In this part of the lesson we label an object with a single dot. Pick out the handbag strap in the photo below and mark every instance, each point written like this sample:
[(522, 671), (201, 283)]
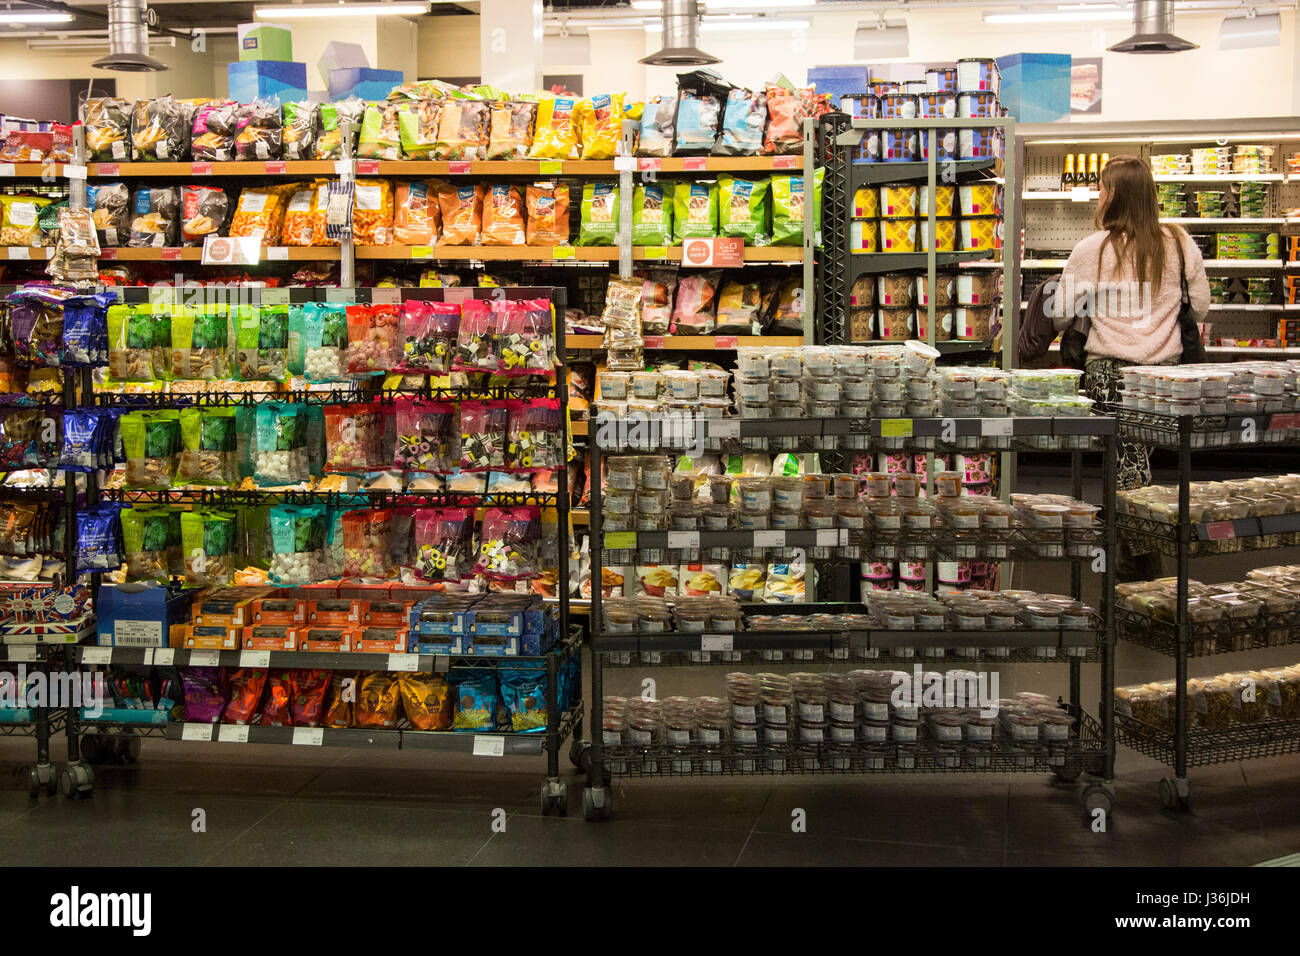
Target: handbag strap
[(1182, 271)]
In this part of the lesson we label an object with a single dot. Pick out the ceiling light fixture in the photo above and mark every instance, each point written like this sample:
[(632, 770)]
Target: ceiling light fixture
[(307, 10), (25, 16), (1060, 16)]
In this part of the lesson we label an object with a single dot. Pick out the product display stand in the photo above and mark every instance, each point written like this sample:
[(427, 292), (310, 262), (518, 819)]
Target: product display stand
[(1090, 747), (1180, 747)]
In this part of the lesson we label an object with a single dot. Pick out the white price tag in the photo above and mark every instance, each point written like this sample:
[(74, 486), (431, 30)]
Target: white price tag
[(7, 169), (96, 655), (844, 537), (163, 656), (404, 662), (74, 172), (343, 169), (255, 659), (828, 537), (23, 653), (724, 428), (997, 427), (274, 253), (205, 658), (309, 736), (715, 642), (274, 296), (624, 164), (769, 539), (1080, 194), (233, 733), (489, 745), (388, 295), (683, 539), (192, 731), (19, 252)]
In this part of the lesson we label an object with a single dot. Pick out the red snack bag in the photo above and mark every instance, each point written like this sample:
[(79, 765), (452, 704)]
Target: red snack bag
[(508, 544), (476, 340), (310, 689), (354, 437), (276, 709), (245, 694), (503, 216), (484, 428), (786, 111), (365, 544), (443, 544), (373, 345), (525, 340), (423, 435), (429, 335)]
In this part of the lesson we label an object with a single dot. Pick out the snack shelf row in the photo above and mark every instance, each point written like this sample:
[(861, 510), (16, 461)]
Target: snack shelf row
[(231, 497), (1203, 748), (316, 660), (320, 394), (755, 254)]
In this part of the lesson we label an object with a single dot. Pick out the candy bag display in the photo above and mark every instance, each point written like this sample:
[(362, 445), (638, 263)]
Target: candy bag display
[(99, 541), (323, 232), (262, 338), (443, 544), (536, 435), (308, 692), (426, 700), (28, 146), (210, 447), (652, 215), (523, 336), (423, 435), (155, 217), (429, 335), (697, 121), (153, 444), (548, 214), (85, 330), (365, 544), (657, 292), (416, 217), (697, 303), (324, 341), (160, 130), (787, 208), (476, 701), (208, 542), (205, 694), (200, 340), (600, 214), (84, 439), (743, 209), (299, 124), (282, 457), (510, 129), (738, 308), (508, 545), (108, 126), (216, 125), (372, 212), (276, 709), (503, 216), (695, 210), (462, 130), (20, 220), (373, 344), (381, 136), (461, 208), (258, 214), (743, 121), (204, 212), (246, 685), (297, 544), (476, 342), (354, 436), (110, 205), (25, 441), (151, 539), (483, 430), (376, 704), (342, 692), (333, 116), (524, 694), (658, 129), (600, 120), (556, 135), (36, 326)]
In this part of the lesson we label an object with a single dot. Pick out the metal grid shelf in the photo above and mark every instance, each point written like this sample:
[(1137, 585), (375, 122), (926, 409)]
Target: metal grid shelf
[(1215, 537), (27, 728), (876, 263), (862, 173), (1228, 636), (1211, 432), (353, 661), (1207, 747), (231, 497), (329, 395), (845, 656)]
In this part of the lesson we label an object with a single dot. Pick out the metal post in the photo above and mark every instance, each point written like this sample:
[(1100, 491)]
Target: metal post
[(552, 717), (1106, 713), (564, 529), (347, 249), (810, 235), (77, 186), (1184, 561), (625, 194), (596, 773)]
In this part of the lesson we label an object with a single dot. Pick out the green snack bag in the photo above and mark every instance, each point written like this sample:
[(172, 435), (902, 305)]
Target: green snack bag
[(652, 216), (743, 209), (152, 442), (200, 342), (210, 452), (282, 456), (262, 337), (695, 210), (208, 541), (324, 342), (131, 353), (787, 208), (151, 538), (600, 214), (298, 536), (380, 137)]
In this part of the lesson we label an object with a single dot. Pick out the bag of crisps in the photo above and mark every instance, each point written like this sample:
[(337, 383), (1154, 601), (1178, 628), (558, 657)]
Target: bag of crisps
[(417, 122), (556, 136), (372, 212), (297, 228), (381, 136), (416, 217), (510, 129), (320, 213), (426, 700), (462, 130), (548, 214), (260, 213), (503, 216), (376, 704), (600, 120), (462, 213), (600, 213)]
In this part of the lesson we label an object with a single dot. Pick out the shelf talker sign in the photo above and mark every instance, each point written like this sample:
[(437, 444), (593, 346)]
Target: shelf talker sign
[(232, 251), (724, 252)]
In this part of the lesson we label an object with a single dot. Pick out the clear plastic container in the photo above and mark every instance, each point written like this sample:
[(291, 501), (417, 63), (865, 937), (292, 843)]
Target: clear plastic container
[(787, 493), (786, 363), (715, 517), (622, 473), (713, 382), (720, 489), (754, 362), (907, 485), (755, 495), (614, 386), (816, 486), (845, 486), (683, 386), (750, 391), (645, 385), (786, 389)]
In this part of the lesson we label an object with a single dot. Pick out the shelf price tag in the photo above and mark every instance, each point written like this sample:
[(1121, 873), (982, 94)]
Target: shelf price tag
[(694, 164), (724, 427), (1080, 194), (254, 658), (716, 642), (367, 167), (106, 169), (828, 537), (655, 252), (723, 252), (386, 296), (343, 169), (22, 653), (404, 662), (339, 295), (274, 297), (997, 427), (458, 167), (194, 731), (74, 172), (108, 253), (232, 734), (201, 169), (726, 342), (96, 655), (683, 539), (769, 539), (1220, 530), (489, 745), (551, 167), (19, 252), (308, 736), (8, 169), (230, 251), (896, 428), (564, 252), (276, 168), (787, 162), (277, 253), (624, 164), (649, 165), (205, 659), (421, 252), (163, 656), (654, 341), (620, 539)]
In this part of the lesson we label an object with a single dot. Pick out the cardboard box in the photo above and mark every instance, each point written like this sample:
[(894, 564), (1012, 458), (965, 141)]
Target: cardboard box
[(367, 83), (838, 80), (388, 613), (270, 637), (276, 610), (327, 640), (231, 607), (1035, 86), (390, 640), (340, 55), (438, 644), (265, 41), (140, 615), (210, 637), (334, 612), (277, 80)]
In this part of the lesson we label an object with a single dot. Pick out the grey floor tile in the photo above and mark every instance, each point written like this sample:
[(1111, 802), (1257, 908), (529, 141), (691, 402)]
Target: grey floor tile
[(806, 849), (620, 841)]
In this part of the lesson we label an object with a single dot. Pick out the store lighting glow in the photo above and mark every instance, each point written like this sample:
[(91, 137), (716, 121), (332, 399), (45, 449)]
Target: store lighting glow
[(23, 16), (726, 24), (731, 4), (307, 10), (1060, 16)]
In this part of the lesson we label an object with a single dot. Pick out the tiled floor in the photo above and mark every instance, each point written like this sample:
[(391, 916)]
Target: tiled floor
[(297, 805)]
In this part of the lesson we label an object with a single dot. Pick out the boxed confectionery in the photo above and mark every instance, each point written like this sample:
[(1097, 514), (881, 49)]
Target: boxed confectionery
[(270, 637), (388, 613), (279, 610), (229, 607), (140, 615), (334, 612), (206, 637), (392, 640), (330, 640)]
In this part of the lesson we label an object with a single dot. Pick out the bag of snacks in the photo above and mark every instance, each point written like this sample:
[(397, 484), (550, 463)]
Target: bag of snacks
[(698, 116), (297, 544), (139, 343), (373, 345), (110, 205), (739, 304), (262, 338), (510, 129), (525, 341), (324, 341), (657, 299), (260, 135), (82, 447), (462, 214), (19, 225), (216, 124), (341, 695), (365, 544), (697, 302), (27, 146), (333, 118), (108, 127), (209, 447), (503, 216), (444, 549), (621, 318), (600, 121), (299, 124), (424, 433), (483, 430), (426, 700), (160, 130), (476, 699), (376, 704), (200, 340), (276, 709), (155, 215), (416, 217), (36, 326), (308, 690), (536, 435), (508, 545), (600, 214), (204, 212), (788, 318), (381, 136), (652, 215), (417, 124), (548, 214), (743, 208), (282, 456), (298, 227), (354, 437), (99, 541), (476, 344), (786, 111), (25, 440), (787, 208), (85, 330), (205, 693), (259, 213), (372, 212), (658, 129), (556, 135), (208, 541), (246, 686), (462, 130), (429, 335), (695, 210), (743, 121), (153, 444), (151, 540)]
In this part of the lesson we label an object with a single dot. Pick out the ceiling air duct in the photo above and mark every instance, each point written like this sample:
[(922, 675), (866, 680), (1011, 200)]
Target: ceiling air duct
[(1250, 31), (681, 21), (1153, 30), (128, 38)]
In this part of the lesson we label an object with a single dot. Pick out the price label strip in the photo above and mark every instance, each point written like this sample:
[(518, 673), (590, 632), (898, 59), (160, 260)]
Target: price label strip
[(489, 745)]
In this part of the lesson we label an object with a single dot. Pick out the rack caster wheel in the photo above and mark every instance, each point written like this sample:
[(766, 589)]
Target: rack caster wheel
[(1068, 773), (580, 755), (42, 777), (1175, 794), (1097, 797), (96, 748), (77, 780), (555, 799), (597, 804), (128, 749)]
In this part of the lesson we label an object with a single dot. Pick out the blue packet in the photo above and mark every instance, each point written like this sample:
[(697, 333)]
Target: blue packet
[(81, 437), (85, 330), (743, 120), (99, 539)]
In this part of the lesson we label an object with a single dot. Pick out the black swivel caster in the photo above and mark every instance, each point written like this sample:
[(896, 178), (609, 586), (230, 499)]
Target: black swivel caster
[(77, 780), (597, 804), (554, 799), (1175, 794)]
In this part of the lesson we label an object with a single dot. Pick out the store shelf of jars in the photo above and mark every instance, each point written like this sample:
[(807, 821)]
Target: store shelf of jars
[(1205, 747)]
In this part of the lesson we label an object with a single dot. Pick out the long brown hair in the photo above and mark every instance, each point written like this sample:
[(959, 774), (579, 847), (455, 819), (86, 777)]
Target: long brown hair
[(1131, 219)]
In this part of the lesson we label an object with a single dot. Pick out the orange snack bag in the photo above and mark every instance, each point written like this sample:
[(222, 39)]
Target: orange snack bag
[(259, 212), (297, 228), (320, 214), (372, 212), (462, 214), (548, 214), (503, 216), (417, 217)]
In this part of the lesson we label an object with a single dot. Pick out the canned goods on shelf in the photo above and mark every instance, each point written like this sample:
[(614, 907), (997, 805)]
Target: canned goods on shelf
[(898, 201), (898, 235), (898, 146), (978, 74)]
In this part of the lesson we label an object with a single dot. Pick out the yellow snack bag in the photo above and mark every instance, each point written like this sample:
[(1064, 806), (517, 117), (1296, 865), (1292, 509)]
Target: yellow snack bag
[(557, 132), (600, 119)]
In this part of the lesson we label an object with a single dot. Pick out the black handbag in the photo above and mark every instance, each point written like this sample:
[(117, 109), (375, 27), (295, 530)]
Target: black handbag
[(1193, 347)]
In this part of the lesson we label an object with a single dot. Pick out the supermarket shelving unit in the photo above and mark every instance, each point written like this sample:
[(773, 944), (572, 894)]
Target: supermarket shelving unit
[(1182, 747), (1091, 748)]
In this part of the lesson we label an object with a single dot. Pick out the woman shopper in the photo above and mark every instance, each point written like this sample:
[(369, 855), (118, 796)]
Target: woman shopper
[(1132, 273)]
